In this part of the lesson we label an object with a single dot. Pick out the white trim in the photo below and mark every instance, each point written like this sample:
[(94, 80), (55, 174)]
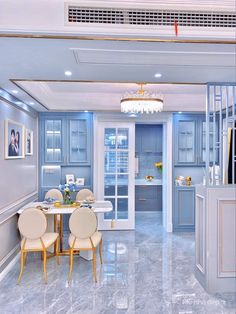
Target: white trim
[(160, 118), (12, 262)]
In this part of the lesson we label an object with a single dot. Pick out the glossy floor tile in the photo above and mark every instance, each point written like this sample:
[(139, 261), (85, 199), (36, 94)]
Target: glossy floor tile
[(144, 271)]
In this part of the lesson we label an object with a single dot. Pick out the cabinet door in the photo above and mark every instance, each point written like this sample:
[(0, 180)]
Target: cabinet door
[(78, 141), (148, 140), (184, 210), (212, 137), (53, 141), (148, 198), (186, 142)]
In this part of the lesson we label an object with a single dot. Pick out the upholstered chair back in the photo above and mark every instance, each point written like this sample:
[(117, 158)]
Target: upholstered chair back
[(54, 193), (83, 222), (85, 194), (32, 223)]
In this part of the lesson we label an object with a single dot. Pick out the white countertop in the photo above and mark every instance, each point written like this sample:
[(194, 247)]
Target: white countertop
[(145, 182)]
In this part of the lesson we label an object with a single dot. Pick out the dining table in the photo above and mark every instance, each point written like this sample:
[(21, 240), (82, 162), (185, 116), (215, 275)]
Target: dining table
[(57, 212)]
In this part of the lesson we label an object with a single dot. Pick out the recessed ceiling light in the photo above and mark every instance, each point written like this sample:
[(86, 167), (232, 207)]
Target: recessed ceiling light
[(68, 73), (18, 103), (179, 111), (85, 110), (15, 91), (158, 75), (31, 103)]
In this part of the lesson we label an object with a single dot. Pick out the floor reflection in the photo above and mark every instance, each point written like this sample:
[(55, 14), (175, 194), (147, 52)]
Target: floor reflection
[(144, 271)]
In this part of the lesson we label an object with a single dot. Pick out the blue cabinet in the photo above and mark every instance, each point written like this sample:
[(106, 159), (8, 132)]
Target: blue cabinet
[(184, 209), (148, 198), (65, 148), (190, 139), (148, 138)]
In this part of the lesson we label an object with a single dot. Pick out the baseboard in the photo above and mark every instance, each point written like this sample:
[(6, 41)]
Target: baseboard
[(10, 265)]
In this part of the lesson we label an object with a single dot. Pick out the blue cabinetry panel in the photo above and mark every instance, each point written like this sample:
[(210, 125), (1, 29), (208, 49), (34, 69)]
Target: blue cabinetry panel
[(65, 146), (184, 209)]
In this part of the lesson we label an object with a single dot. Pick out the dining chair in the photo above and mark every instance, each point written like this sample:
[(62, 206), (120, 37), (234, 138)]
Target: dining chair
[(54, 193), (85, 194), (84, 235), (32, 225)]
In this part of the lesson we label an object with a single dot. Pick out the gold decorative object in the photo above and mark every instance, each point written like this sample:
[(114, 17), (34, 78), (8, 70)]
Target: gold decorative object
[(149, 178), (188, 181), (159, 165)]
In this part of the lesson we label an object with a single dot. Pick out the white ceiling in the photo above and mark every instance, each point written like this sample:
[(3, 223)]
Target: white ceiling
[(38, 66), (103, 69)]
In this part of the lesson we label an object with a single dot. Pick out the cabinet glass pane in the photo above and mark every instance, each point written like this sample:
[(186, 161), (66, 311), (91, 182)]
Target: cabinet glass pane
[(53, 141), (203, 145), (109, 185), (186, 144), (122, 208), (110, 138), (122, 185), (122, 162), (78, 140), (122, 138), (110, 162)]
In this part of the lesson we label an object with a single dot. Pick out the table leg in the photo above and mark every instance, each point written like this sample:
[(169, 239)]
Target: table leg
[(61, 233), (55, 230)]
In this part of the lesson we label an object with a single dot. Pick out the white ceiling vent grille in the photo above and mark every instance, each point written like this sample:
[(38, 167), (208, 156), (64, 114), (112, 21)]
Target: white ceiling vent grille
[(90, 15)]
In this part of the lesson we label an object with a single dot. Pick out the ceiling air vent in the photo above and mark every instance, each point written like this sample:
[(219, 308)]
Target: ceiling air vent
[(90, 15)]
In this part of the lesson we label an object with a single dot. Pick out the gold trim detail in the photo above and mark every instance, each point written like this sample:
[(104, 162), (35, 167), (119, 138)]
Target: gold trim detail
[(159, 40)]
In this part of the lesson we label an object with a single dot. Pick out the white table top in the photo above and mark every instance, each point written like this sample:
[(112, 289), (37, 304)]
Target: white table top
[(98, 207)]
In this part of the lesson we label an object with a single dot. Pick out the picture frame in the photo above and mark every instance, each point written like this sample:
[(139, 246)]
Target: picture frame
[(14, 140), (70, 178), (28, 142), (79, 181)]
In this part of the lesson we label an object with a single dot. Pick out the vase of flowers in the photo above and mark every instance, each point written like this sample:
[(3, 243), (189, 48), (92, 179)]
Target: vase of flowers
[(159, 165), (67, 190)]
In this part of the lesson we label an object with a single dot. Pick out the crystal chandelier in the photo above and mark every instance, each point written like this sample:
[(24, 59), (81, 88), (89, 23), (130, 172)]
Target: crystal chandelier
[(141, 102)]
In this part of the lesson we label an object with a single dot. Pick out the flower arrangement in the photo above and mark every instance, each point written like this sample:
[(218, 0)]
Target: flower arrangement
[(67, 189), (159, 165)]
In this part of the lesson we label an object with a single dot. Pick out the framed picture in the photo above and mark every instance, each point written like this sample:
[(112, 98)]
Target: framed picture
[(70, 178), (14, 140), (79, 181), (28, 142)]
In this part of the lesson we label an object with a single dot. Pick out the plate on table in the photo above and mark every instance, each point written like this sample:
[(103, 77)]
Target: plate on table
[(43, 208)]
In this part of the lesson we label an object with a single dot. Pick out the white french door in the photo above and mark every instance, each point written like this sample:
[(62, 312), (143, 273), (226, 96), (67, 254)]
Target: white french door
[(115, 173)]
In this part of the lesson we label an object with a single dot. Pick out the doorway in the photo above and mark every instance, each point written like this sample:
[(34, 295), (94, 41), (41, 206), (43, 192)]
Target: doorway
[(148, 171)]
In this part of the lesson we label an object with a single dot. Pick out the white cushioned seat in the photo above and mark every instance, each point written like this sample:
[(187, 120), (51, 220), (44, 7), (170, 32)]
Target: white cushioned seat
[(48, 239), (85, 243)]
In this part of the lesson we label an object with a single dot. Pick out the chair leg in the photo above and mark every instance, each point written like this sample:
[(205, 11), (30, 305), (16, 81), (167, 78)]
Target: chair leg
[(45, 265), (57, 256), (71, 264), (21, 266), (100, 251), (25, 255), (94, 265)]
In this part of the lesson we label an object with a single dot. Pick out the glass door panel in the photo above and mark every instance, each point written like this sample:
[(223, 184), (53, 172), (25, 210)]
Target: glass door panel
[(118, 176), (78, 140), (53, 141), (186, 142)]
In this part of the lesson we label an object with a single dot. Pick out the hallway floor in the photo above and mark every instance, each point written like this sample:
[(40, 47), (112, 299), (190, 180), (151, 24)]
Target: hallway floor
[(144, 271)]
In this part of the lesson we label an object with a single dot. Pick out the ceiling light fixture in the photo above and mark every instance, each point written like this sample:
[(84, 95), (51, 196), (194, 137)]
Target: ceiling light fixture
[(31, 103), (158, 75), (15, 91), (68, 73), (141, 102)]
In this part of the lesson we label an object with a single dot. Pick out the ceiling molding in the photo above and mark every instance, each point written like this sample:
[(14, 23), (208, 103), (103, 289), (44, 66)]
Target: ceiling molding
[(133, 39)]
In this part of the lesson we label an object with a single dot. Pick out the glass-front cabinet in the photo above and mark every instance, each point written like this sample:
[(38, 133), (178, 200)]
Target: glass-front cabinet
[(190, 140), (186, 142), (53, 140), (78, 142)]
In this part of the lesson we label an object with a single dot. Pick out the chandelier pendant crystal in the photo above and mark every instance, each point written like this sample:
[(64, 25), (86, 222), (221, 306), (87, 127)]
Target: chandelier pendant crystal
[(141, 102)]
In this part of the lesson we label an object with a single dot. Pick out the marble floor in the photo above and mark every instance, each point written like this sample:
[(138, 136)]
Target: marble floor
[(144, 271)]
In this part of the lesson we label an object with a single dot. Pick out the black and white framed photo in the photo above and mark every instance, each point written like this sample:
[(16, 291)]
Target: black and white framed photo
[(28, 142), (14, 140)]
